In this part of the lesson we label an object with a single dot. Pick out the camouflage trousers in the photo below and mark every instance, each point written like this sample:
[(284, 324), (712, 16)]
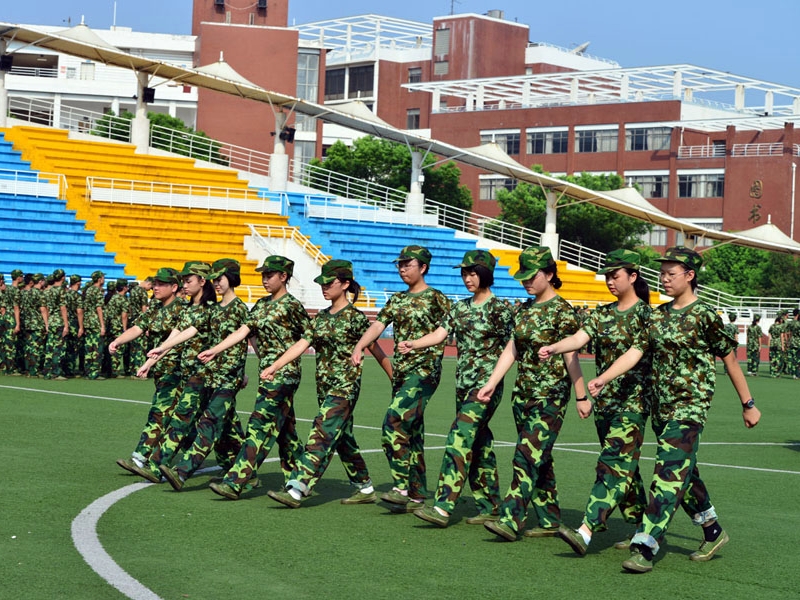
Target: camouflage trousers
[(753, 359), (217, 428), (163, 405), (54, 352), (618, 482), (793, 361), (92, 354), (119, 358), (72, 359), (533, 480), (676, 482), (34, 343), (137, 353), (403, 433), (272, 420), (469, 454), (776, 361), (331, 431), (8, 347)]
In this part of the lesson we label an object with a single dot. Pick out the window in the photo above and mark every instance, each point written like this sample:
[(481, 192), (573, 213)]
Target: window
[(414, 74), (308, 75), (651, 186), (701, 185), (596, 140), (715, 225), (490, 184), (362, 81), (303, 152), (441, 42), (547, 142), (647, 138), (656, 237), (508, 141), (334, 84), (412, 118), (441, 67)]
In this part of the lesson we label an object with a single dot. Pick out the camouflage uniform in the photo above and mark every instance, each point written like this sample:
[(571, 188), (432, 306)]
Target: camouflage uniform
[(539, 401), (16, 292), (620, 413), (92, 340), (793, 351), (34, 330), (72, 361), (333, 336), (481, 333), (117, 306), (7, 322), (415, 378), (158, 322), (754, 334), (683, 343), (137, 352), (56, 345), (218, 426), (277, 325), (775, 349)]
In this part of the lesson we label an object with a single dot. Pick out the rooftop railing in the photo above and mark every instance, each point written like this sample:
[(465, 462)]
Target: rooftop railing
[(774, 149), (706, 151)]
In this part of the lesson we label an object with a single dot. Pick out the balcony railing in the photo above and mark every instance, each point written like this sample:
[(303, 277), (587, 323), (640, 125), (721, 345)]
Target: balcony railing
[(707, 151), (774, 149)]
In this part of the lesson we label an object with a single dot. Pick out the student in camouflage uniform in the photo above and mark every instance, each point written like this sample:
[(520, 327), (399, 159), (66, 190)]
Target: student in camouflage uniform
[(685, 336), (733, 330), (754, 335), (333, 333), (415, 312), (14, 290), (793, 353), (94, 326), (218, 427), (138, 301), (620, 412), (7, 322), (74, 301), (191, 334), (34, 321), (57, 328), (275, 323), (154, 326), (482, 327), (540, 397), (116, 313), (776, 345)]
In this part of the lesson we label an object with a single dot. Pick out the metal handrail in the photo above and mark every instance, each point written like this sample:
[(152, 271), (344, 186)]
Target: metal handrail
[(766, 149), (22, 181), (705, 151), (259, 232), (345, 186)]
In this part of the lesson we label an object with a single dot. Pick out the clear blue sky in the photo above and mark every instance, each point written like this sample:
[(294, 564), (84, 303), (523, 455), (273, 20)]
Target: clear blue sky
[(752, 39)]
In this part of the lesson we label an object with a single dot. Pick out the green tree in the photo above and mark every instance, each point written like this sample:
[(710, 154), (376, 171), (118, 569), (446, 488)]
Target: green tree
[(582, 223), (751, 272), (114, 127)]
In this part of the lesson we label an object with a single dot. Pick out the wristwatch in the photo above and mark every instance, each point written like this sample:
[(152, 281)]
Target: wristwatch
[(749, 404)]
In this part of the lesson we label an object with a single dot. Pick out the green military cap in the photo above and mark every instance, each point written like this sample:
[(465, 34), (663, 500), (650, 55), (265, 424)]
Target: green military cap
[(276, 264), (781, 313), (151, 279), (16, 273), (333, 270), (532, 260), (732, 316), (223, 266), (196, 267), (75, 278), (110, 286), (58, 274), (621, 259), (475, 258), (421, 253), (686, 256), (50, 279), (37, 277), (97, 275), (121, 282), (166, 275)]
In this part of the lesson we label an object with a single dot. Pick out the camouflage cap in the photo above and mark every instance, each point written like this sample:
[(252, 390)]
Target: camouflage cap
[(110, 286), (686, 256), (75, 278), (196, 267), (50, 280), (97, 275), (37, 277), (335, 269), (166, 275), (223, 266), (121, 282), (732, 316), (621, 259), (16, 273), (532, 260), (58, 274), (276, 264), (781, 313), (421, 253), (475, 258)]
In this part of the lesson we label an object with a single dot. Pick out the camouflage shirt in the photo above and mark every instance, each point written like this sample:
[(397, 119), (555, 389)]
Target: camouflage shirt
[(137, 300), (537, 325), (793, 329), (277, 325), (91, 301), (31, 301), (74, 302), (158, 322), (334, 336), (197, 316), (7, 302), (613, 333), (775, 331), (754, 333), (683, 344), (55, 298), (415, 315), (116, 307), (228, 368), (482, 332), (733, 330)]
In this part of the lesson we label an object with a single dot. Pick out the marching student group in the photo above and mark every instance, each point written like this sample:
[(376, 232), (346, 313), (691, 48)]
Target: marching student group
[(657, 363)]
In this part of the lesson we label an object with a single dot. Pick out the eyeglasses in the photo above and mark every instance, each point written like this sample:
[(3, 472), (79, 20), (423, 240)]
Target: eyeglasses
[(405, 265), (671, 276)]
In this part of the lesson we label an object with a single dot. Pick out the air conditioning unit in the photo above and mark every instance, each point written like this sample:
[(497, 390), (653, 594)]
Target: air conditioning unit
[(219, 2), (262, 4)]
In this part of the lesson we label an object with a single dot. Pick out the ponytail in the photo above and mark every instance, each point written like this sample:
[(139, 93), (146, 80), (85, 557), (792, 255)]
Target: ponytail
[(554, 281), (640, 286)]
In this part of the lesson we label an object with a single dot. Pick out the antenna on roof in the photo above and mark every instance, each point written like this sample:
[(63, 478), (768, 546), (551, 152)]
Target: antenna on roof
[(580, 49), (453, 6)]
